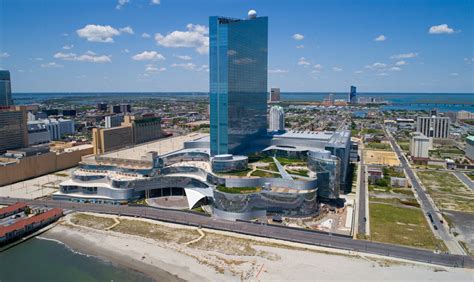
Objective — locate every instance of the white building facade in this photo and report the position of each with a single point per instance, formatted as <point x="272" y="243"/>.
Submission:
<point x="436" y="127"/>
<point x="277" y="119"/>
<point x="420" y="145"/>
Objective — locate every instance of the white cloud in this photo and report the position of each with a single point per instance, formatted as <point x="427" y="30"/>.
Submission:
<point x="152" y="68"/>
<point x="302" y="62"/>
<point x="376" y="65"/>
<point x="4" y="55"/>
<point x="203" y="68"/>
<point x="20" y="70"/>
<point x="154" y="2"/>
<point x="65" y="34"/>
<point x="298" y="36"/>
<point x="38" y="59"/>
<point x="318" y="67"/>
<point x="196" y="36"/>
<point x="336" y="69"/>
<point x="382" y="74"/>
<point x="440" y="29"/>
<point x="395" y="69"/>
<point x="184" y="57"/>
<point x="121" y="3"/>
<point x="454" y="74"/>
<point x="148" y="56"/>
<point x="89" y="56"/>
<point x="51" y="65"/>
<point x="380" y="38"/>
<point x="469" y="61"/>
<point x="404" y="56"/>
<point x="277" y="71"/>
<point x="358" y="72"/>
<point x="146" y="35"/>
<point x="187" y="66"/>
<point x="126" y="50"/>
<point x="68" y="47"/>
<point x="98" y="33"/>
<point x="126" y="29"/>
<point x="299" y="46"/>
<point x="401" y="63"/>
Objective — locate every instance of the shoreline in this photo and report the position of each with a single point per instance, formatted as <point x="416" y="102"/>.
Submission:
<point x="223" y="256"/>
<point x="78" y="245"/>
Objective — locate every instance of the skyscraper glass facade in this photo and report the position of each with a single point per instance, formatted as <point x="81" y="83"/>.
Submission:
<point x="5" y="89"/>
<point x="238" y="82"/>
<point x="352" y="95"/>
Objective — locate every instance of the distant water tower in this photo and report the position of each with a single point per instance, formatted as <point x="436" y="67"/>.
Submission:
<point x="252" y="14"/>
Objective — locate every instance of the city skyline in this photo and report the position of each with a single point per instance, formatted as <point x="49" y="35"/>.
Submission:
<point x="313" y="47"/>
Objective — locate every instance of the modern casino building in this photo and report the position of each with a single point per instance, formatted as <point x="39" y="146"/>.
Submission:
<point x="203" y="167"/>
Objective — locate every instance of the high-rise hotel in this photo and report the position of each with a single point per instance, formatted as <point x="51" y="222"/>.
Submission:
<point x="238" y="81"/>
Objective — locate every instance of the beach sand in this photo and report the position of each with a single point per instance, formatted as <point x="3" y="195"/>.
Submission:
<point x="224" y="256"/>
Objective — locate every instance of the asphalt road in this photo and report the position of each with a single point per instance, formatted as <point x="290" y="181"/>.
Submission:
<point x="464" y="179"/>
<point x="362" y="190"/>
<point x="426" y="204"/>
<point x="261" y="230"/>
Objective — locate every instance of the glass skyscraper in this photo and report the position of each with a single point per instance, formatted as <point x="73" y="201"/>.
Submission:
<point x="5" y="89"/>
<point x="238" y="82"/>
<point x="352" y="95"/>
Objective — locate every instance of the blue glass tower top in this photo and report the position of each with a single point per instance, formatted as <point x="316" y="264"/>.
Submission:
<point x="5" y="89"/>
<point x="238" y="82"/>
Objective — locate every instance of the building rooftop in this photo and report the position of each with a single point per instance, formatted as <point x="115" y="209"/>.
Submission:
<point x="320" y="135"/>
<point x="20" y="224"/>
<point x="12" y="208"/>
<point x="161" y="146"/>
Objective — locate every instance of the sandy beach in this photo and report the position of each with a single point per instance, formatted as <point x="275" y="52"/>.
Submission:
<point x="169" y="252"/>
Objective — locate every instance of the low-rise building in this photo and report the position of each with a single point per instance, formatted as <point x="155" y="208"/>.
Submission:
<point x="37" y="133"/>
<point x="110" y="139"/>
<point x="374" y="173"/>
<point x="134" y="130"/>
<point x="470" y="147"/>
<point x="420" y="145"/>
<point x="113" y="121"/>
<point x="398" y="181"/>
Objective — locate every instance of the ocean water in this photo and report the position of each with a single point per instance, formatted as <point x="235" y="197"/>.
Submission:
<point x="46" y="260"/>
<point x="403" y="101"/>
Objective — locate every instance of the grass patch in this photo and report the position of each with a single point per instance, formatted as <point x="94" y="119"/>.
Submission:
<point x="372" y="131"/>
<point x="199" y="209"/>
<point x="238" y="172"/>
<point x="238" y="190"/>
<point x="288" y="161"/>
<point x="378" y="146"/>
<point x="261" y="173"/>
<point x="155" y="231"/>
<point x="404" y="191"/>
<point x="272" y="166"/>
<point x="471" y="176"/>
<point x="300" y="172"/>
<point x="403" y="226"/>
<point x="91" y="221"/>
<point x="447" y="191"/>
<point x="395" y="201"/>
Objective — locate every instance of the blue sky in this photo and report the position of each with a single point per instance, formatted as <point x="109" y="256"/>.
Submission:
<point x="315" y="46"/>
